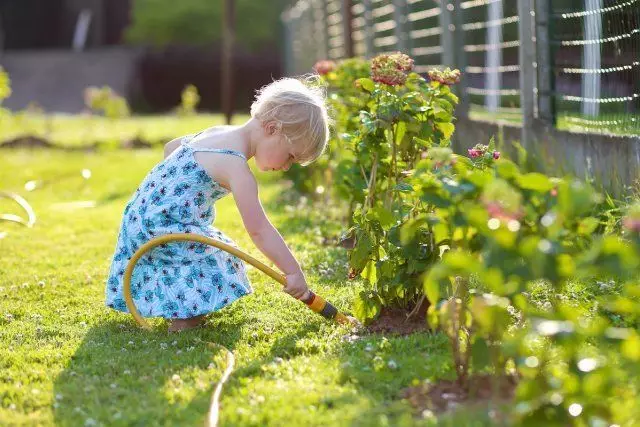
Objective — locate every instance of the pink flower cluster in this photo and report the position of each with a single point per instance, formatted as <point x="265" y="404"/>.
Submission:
<point x="324" y="67"/>
<point x="481" y="150"/>
<point x="631" y="224"/>
<point x="391" y="69"/>
<point x="446" y="77"/>
<point x="496" y="210"/>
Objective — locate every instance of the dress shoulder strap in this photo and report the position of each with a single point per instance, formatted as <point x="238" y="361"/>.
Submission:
<point x="187" y="139"/>
<point x="218" y="150"/>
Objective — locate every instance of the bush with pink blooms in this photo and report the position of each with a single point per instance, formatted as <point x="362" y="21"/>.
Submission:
<point x="472" y="235"/>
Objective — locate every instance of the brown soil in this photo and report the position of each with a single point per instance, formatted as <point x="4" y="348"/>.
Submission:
<point x="27" y="142"/>
<point x="445" y="394"/>
<point x="135" y="143"/>
<point x="35" y="142"/>
<point x="394" y="320"/>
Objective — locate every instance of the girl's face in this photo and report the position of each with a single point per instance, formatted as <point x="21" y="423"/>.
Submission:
<point x="274" y="152"/>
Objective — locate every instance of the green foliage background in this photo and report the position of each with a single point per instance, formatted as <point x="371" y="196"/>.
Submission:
<point x="163" y="22"/>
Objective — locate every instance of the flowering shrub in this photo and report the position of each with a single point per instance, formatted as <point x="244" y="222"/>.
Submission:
<point x="506" y="231"/>
<point x="106" y="101"/>
<point x="324" y="67"/>
<point x="404" y="115"/>
<point x="343" y="98"/>
<point x="631" y="221"/>
<point x="5" y="90"/>
<point x="391" y="69"/>
<point x="473" y="235"/>
<point x="189" y="100"/>
<point x="5" y="85"/>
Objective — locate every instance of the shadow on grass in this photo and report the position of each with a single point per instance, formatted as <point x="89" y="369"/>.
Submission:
<point x="123" y="375"/>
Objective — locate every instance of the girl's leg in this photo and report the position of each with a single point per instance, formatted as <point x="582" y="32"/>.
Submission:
<point x="177" y="325"/>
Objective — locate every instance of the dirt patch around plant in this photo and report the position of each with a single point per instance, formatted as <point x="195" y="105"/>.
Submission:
<point x="446" y="395"/>
<point x="135" y="144"/>
<point x="27" y="142"/>
<point x="395" y="321"/>
<point x="36" y="142"/>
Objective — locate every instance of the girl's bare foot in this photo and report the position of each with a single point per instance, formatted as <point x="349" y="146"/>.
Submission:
<point x="177" y="325"/>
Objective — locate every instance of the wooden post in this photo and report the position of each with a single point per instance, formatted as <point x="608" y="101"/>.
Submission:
<point x="402" y="26"/>
<point x="325" y="31"/>
<point x="369" y="49"/>
<point x="288" y="43"/>
<point x="460" y="58"/>
<point x="527" y="56"/>
<point x="546" y="107"/>
<point x="319" y="22"/>
<point x="347" y="27"/>
<point x="228" y="35"/>
<point x="448" y="58"/>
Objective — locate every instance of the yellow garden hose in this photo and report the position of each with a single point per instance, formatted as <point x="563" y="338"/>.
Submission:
<point x="315" y="302"/>
<point x="31" y="216"/>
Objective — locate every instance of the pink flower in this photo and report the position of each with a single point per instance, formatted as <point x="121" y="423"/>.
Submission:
<point x="391" y="79"/>
<point x="554" y="192"/>
<point x="631" y="224"/>
<point x="496" y="155"/>
<point x="446" y="77"/>
<point x="474" y="153"/>
<point x="391" y="69"/>
<point x="496" y="210"/>
<point x="324" y="67"/>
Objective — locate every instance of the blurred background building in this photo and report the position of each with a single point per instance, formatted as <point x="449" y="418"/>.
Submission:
<point x="147" y="50"/>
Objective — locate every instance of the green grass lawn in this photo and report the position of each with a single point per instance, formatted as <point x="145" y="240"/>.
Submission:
<point x="66" y="359"/>
<point x="624" y="125"/>
<point x="69" y="130"/>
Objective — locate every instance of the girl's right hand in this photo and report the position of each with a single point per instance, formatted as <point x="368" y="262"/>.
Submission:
<point x="296" y="285"/>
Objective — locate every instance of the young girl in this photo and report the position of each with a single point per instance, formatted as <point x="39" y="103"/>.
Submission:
<point x="184" y="281"/>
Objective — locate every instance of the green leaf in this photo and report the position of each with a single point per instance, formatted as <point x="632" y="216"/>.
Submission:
<point x="403" y="187"/>
<point x="366" y="84"/>
<point x="366" y="307"/>
<point x="444" y="104"/>
<point x="432" y="290"/>
<point x="480" y="354"/>
<point x="401" y="129"/>
<point x="370" y="272"/>
<point x="362" y="251"/>
<point x="587" y="226"/>
<point x="535" y="181"/>
<point x="441" y="114"/>
<point x="383" y="216"/>
<point x="507" y="169"/>
<point x="447" y="129"/>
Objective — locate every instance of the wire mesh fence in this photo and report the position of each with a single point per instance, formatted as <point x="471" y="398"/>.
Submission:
<point x="591" y="52"/>
<point x="597" y="63"/>
<point x="490" y="34"/>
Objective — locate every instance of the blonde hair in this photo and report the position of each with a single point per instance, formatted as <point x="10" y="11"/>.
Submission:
<point x="298" y="108"/>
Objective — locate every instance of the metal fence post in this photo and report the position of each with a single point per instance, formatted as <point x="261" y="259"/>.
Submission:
<point x="402" y="25"/>
<point x="544" y="59"/>
<point x="527" y="57"/>
<point x="368" y="30"/>
<point x="446" y="37"/>
<point x="460" y="57"/>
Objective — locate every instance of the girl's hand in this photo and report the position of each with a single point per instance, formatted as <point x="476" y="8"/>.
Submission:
<point x="296" y="285"/>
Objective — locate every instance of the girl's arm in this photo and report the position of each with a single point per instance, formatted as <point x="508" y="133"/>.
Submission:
<point x="265" y="236"/>
<point x="171" y="146"/>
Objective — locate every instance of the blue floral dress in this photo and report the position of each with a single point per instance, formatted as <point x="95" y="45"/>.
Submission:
<point x="176" y="280"/>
